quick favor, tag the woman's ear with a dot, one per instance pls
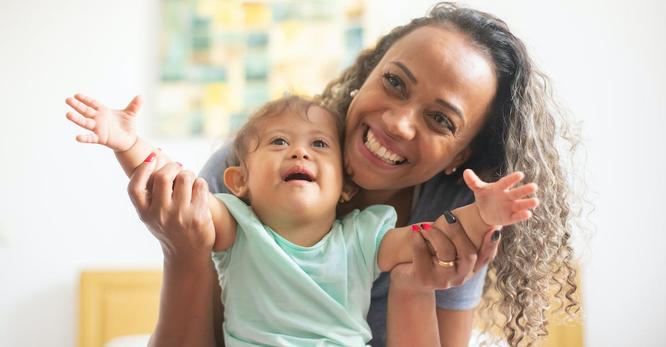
(460, 159)
(349, 189)
(234, 179)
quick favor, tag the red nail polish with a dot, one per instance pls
(425, 226)
(415, 228)
(150, 157)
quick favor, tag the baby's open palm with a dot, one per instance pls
(111, 128)
(498, 202)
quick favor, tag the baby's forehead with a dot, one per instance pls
(313, 118)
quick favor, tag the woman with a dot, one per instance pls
(448, 91)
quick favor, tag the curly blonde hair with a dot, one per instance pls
(534, 265)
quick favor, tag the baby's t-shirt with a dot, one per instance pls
(278, 293)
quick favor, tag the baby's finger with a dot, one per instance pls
(520, 216)
(472, 180)
(521, 191)
(509, 180)
(87, 138)
(135, 105)
(81, 108)
(88, 101)
(525, 204)
(83, 122)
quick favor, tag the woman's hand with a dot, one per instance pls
(173, 203)
(412, 316)
(444, 242)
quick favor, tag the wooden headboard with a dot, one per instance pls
(121, 303)
(117, 303)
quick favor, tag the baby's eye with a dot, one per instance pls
(319, 144)
(278, 141)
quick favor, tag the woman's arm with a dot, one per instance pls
(412, 315)
(186, 315)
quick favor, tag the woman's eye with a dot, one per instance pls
(279, 142)
(442, 121)
(394, 82)
(319, 144)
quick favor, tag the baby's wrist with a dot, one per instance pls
(132, 141)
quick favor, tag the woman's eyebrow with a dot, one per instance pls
(407, 72)
(455, 109)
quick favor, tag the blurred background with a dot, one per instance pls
(202, 64)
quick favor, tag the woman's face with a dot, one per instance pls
(418, 111)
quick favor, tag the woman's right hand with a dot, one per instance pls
(173, 203)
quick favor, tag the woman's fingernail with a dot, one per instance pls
(179, 164)
(150, 157)
(415, 228)
(496, 235)
(425, 226)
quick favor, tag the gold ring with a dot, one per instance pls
(446, 264)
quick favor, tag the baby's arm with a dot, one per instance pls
(115, 129)
(496, 204)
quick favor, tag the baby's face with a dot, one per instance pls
(297, 163)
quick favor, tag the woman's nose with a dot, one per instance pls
(299, 152)
(400, 123)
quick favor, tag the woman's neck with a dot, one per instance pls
(400, 199)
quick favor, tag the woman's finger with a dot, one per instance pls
(138, 187)
(443, 248)
(200, 194)
(182, 189)
(421, 258)
(488, 249)
(465, 250)
(163, 185)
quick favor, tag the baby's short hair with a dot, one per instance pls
(297, 104)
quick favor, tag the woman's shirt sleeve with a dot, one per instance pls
(213, 170)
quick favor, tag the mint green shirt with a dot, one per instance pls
(281, 294)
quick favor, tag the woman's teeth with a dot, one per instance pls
(380, 151)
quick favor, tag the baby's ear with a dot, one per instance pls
(349, 189)
(234, 179)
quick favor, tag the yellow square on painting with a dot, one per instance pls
(257, 15)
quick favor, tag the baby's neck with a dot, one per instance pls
(301, 230)
(400, 199)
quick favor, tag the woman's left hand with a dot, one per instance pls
(433, 251)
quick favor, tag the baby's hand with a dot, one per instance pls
(498, 203)
(111, 128)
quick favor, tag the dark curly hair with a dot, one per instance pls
(534, 264)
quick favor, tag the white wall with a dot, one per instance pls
(64, 205)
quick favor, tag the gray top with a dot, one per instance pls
(436, 196)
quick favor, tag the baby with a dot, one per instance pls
(290, 272)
